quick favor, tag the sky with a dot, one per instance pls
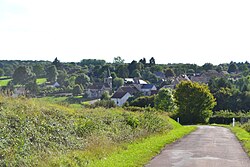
(171, 31)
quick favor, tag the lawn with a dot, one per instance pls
(40, 81)
(4, 82)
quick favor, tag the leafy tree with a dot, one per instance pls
(195, 102)
(62, 77)
(1, 72)
(164, 100)
(232, 68)
(118, 82)
(143, 101)
(118, 60)
(77, 90)
(169, 73)
(22, 75)
(152, 61)
(52, 74)
(83, 80)
(122, 71)
(32, 87)
(207, 66)
(132, 66)
(136, 73)
(92, 62)
(38, 69)
(143, 61)
(105, 96)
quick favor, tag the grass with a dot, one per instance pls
(4, 82)
(38, 133)
(242, 135)
(40, 81)
(141, 151)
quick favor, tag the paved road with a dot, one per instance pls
(206, 147)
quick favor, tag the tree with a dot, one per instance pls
(52, 74)
(105, 96)
(164, 100)
(207, 66)
(57, 63)
(132, 66)
(118, 60)
(31, 87)
(169, 73)
(136, 73)
(38, 70)
(22, 75)
(232, 68)
(194, 102)
(143, 61)
(83, 80)
(77, 90)
(152, 61)
(118, 82)
(1, 72)
(122, 71)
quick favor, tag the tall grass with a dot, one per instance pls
(33, 132)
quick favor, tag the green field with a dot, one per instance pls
(40, 81)
(4, 82)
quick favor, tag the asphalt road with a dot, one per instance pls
(208, 146)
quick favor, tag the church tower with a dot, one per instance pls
(108, 79)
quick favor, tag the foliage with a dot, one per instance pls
(104, 103)
(194, 102)
(33, 132)
(118, 82)
(1, 72)
(22, 75)
(82, 79)
(232, 68)
(77, 90)
(92, 62)
(118, 60)
(169, 73)
(164, 100)
(105, 96)
(143, 101)
(52, 73)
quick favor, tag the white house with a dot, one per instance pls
(120, 97)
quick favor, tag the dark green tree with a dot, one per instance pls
(83, 80)
(22, 75)
(194, 102)
(1, 72)
(52, 74)
(152, 61)
(77, 90)
(169, 73)
(232, 68)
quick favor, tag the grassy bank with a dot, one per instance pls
(38, 133)
(242, 135)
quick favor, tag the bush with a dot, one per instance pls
(104, 103)
(32, 132)
(143, 101)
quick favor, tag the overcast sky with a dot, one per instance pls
(172, 31)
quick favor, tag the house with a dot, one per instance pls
(120, 97)
(146, 89)
(160, 75)
(96, 90)
(176, 81)
(206, 76)
(130, 89)
(55, 85)
(128, 81)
